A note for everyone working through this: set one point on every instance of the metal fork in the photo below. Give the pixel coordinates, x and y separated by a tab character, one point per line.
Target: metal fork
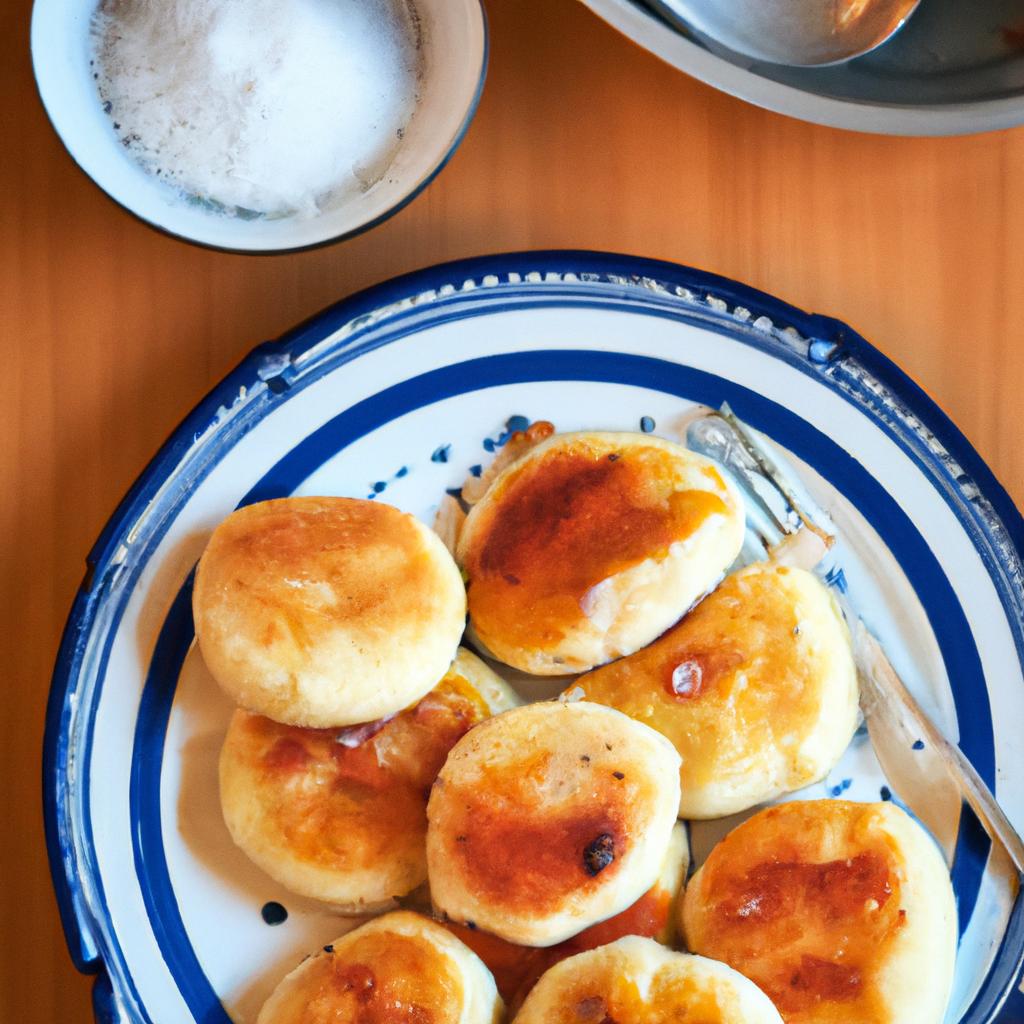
790	527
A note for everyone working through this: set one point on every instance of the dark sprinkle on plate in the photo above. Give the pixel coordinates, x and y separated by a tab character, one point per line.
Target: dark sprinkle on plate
273	913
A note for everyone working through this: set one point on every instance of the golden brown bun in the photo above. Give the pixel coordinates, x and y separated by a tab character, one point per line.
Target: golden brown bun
548	819
401	967
756	688
339	815
323	612
591	545
516	969
637	980
840	911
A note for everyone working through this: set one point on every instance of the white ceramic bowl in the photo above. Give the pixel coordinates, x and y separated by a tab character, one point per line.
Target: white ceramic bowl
455	62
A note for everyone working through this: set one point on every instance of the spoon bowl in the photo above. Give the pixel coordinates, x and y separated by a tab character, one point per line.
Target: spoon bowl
801	33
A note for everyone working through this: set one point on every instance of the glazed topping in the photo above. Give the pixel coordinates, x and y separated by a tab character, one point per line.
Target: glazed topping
811	933
696	670
826	925
531	861
836	890
526	832
510	964
647	917
383	978
323	786
607	995
735	681
567	521
516	969
700	1002
814	980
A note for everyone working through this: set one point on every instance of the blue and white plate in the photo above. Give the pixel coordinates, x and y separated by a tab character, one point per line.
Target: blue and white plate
396	394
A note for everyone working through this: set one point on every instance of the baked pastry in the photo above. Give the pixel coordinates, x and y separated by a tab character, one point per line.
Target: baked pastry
400	967
840	911
323	612
590	545
517	968
339	815
636	979
756	688
549	818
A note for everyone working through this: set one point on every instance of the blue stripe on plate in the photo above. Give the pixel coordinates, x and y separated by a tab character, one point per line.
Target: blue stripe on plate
169	655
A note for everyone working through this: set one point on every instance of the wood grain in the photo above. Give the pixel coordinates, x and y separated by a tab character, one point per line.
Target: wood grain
110	332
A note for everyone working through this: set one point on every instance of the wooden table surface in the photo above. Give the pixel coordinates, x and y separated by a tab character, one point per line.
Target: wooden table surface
110	332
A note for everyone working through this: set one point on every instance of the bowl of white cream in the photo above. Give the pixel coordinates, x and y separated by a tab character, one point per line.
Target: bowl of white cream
260	125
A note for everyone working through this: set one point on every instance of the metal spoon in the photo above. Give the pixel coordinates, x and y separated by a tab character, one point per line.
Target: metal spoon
795	32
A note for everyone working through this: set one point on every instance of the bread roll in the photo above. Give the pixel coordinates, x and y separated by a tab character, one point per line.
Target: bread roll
322	612
339	815
637	980
591	545
756	688
840	911
401	967
549	818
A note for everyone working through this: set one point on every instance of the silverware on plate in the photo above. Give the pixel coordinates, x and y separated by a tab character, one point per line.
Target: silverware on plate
930	775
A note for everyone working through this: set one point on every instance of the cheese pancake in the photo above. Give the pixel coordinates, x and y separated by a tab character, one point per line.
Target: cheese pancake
550	818
340	814
323	612
756	688
399	969
591	545
638	981
840	911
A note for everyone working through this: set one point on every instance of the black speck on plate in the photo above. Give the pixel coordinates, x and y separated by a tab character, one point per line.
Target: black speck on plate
274	913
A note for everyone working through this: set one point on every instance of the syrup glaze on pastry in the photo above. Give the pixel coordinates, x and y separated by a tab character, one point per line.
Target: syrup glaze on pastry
399	969
590	545
517	968
340	814
549	818
756	688
835	909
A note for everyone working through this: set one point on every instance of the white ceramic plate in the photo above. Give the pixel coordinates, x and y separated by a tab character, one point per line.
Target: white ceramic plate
397	393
